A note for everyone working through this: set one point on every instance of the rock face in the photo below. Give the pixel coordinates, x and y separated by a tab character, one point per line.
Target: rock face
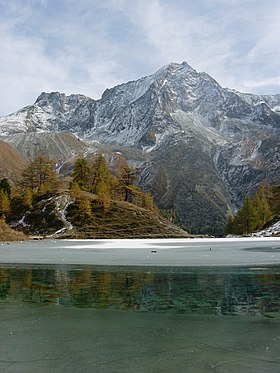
200	148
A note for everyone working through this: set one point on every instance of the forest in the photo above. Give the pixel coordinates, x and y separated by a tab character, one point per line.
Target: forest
97	201
256	212
92	194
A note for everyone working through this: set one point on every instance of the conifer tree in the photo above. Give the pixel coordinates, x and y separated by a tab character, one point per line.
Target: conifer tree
262	207
82	202
127	180
247	217
27	198
254	214
5	186
230	225
4	203
84	207
115	185
101	182
148	202
40	176
81	173
75	191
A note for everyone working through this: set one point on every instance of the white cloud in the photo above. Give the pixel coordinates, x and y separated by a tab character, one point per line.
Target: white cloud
270	81
58	57
86	46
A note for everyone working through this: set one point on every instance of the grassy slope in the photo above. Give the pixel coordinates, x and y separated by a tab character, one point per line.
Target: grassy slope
125	220
8	234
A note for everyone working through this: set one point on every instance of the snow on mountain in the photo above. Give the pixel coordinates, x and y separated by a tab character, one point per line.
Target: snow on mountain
51	112
200	147
58	146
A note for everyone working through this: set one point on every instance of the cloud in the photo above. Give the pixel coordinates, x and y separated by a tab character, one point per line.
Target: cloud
234	41
87	46
39	53
24	69
270	81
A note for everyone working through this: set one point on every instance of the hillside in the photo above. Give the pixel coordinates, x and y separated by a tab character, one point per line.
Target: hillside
11	163
60	217
125	220
60	147
8	234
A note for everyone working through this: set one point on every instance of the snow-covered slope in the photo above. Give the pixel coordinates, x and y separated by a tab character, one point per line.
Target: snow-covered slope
51	112
200	147
58	146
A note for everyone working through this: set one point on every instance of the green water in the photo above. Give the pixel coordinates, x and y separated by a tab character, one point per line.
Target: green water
120	319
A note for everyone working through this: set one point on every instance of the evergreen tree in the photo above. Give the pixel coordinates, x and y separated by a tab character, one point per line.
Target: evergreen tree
27	198
82	203
4	203
84	207
81	173
101	183
40	176
115	185
128	178
254	214
247	217
262	207
245	220
230	225
5	186
148	202
75	191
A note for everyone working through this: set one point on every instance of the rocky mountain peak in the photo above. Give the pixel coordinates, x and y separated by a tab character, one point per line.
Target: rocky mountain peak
200	147
49	97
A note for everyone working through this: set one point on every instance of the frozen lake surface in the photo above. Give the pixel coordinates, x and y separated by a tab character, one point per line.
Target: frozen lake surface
140	306
163	252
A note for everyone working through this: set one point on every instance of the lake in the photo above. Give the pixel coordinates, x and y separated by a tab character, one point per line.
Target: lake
58	317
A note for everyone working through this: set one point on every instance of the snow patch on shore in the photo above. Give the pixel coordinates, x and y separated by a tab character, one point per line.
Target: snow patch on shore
273	230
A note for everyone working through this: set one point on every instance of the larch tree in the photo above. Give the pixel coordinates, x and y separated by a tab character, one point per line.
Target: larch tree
245	220
40	176
5	186
148	201
127	180
27	198
247	217
262	207
83	203
4	204
81	173
101	182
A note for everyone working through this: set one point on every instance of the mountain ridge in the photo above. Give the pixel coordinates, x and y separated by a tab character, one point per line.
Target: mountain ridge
199	147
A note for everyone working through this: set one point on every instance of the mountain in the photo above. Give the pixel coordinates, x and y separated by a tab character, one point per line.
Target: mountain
59	146
11	163
200	148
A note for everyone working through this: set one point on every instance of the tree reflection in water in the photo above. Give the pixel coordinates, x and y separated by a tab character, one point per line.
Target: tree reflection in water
224	291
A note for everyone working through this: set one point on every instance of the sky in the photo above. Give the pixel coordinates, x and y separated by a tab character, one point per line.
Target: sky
86	46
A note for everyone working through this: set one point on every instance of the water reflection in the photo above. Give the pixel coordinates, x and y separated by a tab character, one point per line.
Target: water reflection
214	291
